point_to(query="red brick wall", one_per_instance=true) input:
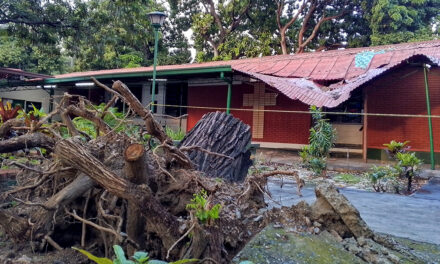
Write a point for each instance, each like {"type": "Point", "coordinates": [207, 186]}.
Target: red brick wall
{"type": "Point", "coordinates": [278, 127]}
{"type": "Point", "coordinates": [403, 92]}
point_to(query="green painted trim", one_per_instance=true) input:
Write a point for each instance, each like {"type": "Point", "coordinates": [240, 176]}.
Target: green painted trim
{"type": "Point", "coordinates": [428, 107]}
{"type": "Point", "coordinates": [199, 70]}
{"type": "Point", "coordinates": [228, 102]}
{"type": "Point", "coordinates": [153, 89]}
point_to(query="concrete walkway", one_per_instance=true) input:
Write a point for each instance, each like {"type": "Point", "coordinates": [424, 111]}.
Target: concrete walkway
{"type": "Point", "coordinates": [338, 164]}
{"type": "Point", "coordinates": [416, 217]}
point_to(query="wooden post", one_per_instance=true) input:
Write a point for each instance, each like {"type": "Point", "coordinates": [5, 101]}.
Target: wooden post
{"type": "Point", "coordinates": [364, 138]}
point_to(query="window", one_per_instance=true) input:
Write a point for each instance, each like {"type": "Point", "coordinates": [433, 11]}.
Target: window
{"type": "Point", "coordinates": [353, 105]}
{"type": "Point", "coordinates": [156, 90]}
{"type": "Point", "coordinates": [176, 94]}
{"type": "Point", "coordinates": [29, 106]}
{"type": "Point", "coordinates": [26, 105]}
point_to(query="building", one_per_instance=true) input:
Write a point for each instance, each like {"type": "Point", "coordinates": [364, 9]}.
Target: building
{"type": "Point", "coordinates": [384, 85]}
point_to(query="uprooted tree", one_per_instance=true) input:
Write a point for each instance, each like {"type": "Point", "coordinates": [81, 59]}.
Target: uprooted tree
{"type": "Point", "coordinates": [113, 190]}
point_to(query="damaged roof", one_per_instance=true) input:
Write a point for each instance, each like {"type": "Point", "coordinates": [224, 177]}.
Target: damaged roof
{"type": "Point", "coordinates": [316, 78]}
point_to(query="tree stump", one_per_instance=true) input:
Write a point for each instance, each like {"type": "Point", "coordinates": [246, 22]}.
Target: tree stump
{"type": "Point", "coordinates": [218, 132]}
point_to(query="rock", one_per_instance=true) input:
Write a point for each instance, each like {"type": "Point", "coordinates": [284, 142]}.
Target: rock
{"type": "Point", "coordinates": [316, 224]}
{"type": "Point", "coordinates": [23, 260]}
{"type": "Point", "coordinates": [329, 199]}
{"type": "Point", "coordinates": [336, 235]}
{"type": "Point", "coordinates": [316, 230]}
{"type": "Point", "coordinates": [278, 246]}
{"type": "Point", "coordinates": [361, 241]}
{"type": "Point", "coordinates": [10, 254]}
{"type": "Point", "coordinates": [258, 218]}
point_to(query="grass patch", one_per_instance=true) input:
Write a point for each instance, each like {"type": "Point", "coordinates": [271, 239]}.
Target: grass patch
{"type": "Point", "coordinates": [347, 178]}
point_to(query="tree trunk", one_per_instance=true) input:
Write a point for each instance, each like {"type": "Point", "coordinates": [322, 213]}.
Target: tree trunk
{"type": "Point", "coordinates": [26, 141]}
{"type": "Point", "coordinates": [164, 224]}
{"type": "Point", "coordinates": [5, 129]}
{"type": "Point", "coordinates": [220, 133]}
{"type": "Point", "coordinates": [135, 171]}
{"type": "Point", "coordinates": [283, 42]}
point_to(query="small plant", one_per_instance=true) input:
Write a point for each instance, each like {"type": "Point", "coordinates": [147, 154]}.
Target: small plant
{"type": "Point", "coordinates": [203, 209]}
{"type": "Point", "coordinates": [395, 147]}
{"type": "Point", "coordinates": [382, 177]}
{"type": "Point", "coordinates": [321, 140]}
{"type": "Point", "coordinates": [139, 257]}
{"type": "Point", "coordinates": [7, 112]}
{"type": "Point", "coordinates": [175, 135]}
{"type": "Point", "coordinates": [410, 165]}
{"type": "Point", "coordinates": [347, 178]}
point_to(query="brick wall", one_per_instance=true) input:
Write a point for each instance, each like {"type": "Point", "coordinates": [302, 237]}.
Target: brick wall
{"type": "Point", "coordinates": [403, 92]}
{"type": "Point", "coordinates": [278, 127]}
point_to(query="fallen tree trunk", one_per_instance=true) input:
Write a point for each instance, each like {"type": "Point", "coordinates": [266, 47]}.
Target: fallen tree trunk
{"type": "Point", "coordinates": [223, 134]}
{"type": "Point", "coordinates": [26, 141]}
{"type": "Point", "coordinates": [7, 126]}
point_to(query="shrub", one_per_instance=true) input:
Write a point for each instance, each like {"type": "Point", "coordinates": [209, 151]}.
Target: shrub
{"type": "Point", "coordinates": [410, 165]}
{"type": "Point", "coordinates": [203, 209]}
{"type": "Point", "coordinates": [174, 135]}
{"type": "Point", "coordinates": [384, 177]}
{"type": "Point", "coordinates": [321, 140]}
{"type": "Point", "coordinates": [7, 112]}
{"type": "Point", "coordinates": [395, 147]}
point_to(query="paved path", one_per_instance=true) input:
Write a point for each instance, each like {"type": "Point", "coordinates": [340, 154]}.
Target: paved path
{"type": "Point", "coordinates": [416, 217]}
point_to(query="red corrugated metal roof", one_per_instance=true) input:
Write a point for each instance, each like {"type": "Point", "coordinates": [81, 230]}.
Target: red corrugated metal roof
{"type": "Point", "coordinates": [297, 75]}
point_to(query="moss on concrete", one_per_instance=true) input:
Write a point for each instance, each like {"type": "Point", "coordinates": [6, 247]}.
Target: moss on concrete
{"type": "Point", "coordinates": [282, 247]}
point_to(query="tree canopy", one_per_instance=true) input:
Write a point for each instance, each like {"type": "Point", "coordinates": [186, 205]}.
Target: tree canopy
{"type": "Point", "coordinates": [66, 35]}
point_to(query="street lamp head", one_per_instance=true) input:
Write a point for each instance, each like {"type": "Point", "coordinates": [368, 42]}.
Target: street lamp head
{"type": "Point", "coordinates": [157, 18]}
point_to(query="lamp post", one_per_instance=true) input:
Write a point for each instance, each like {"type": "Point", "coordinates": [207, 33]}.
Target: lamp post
{"type": "Point", "coordinates": [156, 19]}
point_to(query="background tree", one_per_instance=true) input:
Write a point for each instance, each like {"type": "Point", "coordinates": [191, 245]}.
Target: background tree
{"type": "Point", "coordinates": [397, 21]}
{"type": "Point", "coordinates": [120, 36]}
{"type": "Point", "coordinates": [307, 17]}
{"type": "Point", "coordinates": [32, 32]}
{"type": "Point", "coordinates": [211, 21]}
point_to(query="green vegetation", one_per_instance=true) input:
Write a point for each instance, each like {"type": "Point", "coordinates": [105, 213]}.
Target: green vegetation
{"type": "Point", "coordinates": [204, 211]}
{"type": "Point", "coordinates": [383, 176]}
{"type": "Point", "coordinates": [410, 165]}
{"type": "Point", "coordinates": [407, 166]}
{"type": "Point", "coordinates": [62, 35]}
{"type": "Point", "coordinates": [7, 111]}
{"type": "Point", "coordinates": [139, 257]}
{"type": "Point", "coordinates": [173, 134]}
{"type": "Point", "coordinates": [321, 140]}
{"type": "Point", "coordinates": [395, 147]}
{"type": "Point", "coordinates": [113, 118]}
{"type": "Point", "coordinates": [347, 178]}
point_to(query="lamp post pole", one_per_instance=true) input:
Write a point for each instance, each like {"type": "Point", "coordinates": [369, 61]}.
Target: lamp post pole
{"type": "Point", "coordinates": [156, 41]}
{"type": "Point", "coordinates": [157, 19]}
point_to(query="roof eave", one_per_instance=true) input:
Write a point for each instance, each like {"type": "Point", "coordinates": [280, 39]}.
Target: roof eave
{"type": "Point", "coordinates": [188, 71]}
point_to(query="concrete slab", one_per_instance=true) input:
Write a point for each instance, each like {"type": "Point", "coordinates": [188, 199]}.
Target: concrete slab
{"type": "Point", "coordinates": [413, 217]}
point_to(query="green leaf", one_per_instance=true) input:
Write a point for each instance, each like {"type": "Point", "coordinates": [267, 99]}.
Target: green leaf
{"type": "Point", "coordinates": [140, 255]}
{"type": "Point", "coordinates": [94, 258]}
{"type": "Point", "coordinates": [157, 262]}
{"type": "Point", "coordinates": [182, 261]}
{"type": "Point", "coordinates": [120, 256]}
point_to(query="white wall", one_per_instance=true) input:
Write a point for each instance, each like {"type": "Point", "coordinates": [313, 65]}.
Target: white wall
{"type": "Point", "coordinates": [37, 95]}
{"type": "Point", "coordinates": [159, 97]}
